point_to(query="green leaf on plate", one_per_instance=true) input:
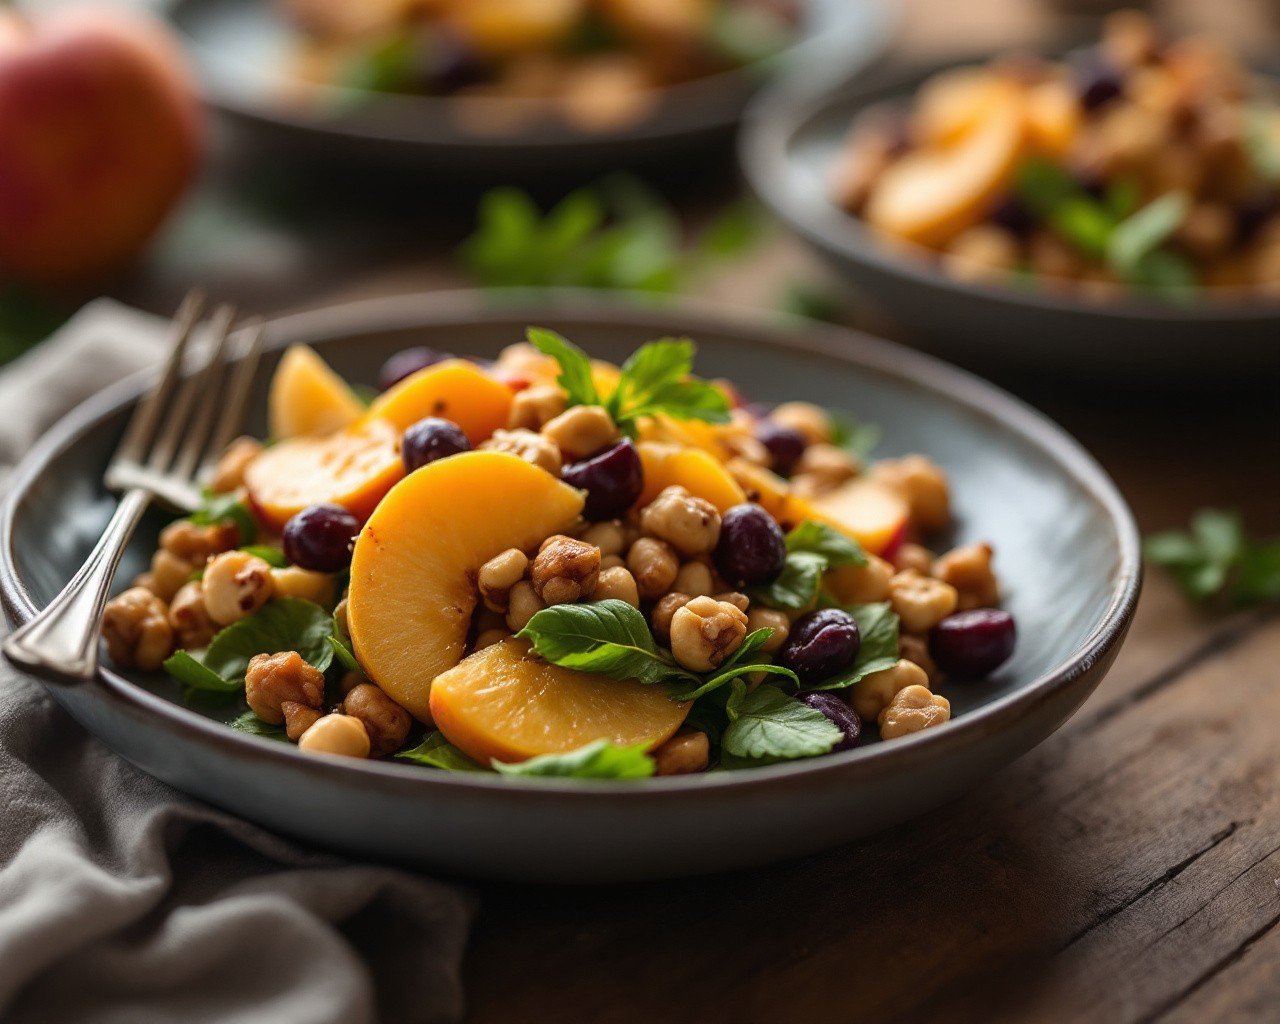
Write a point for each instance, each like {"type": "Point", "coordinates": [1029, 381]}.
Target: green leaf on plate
{"type": "Point", "coordinates": [878, 627]}
{"type": "Point", "coordinates": [255, 726]}
{"type": "Point", "coordinates": [437, 752]}
{"type": "Point", "coordinates": [598, 760]}
{"type": "Point", "coordinates": [575, 365]}
{"type": "Point", "coordinates": [766, 725]}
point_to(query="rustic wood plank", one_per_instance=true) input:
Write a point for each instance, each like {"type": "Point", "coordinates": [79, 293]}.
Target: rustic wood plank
{"type": "Point", "coordinates": [1246, 985]}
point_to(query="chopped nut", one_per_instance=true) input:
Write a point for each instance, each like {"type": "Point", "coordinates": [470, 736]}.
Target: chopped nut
{"type": "Point", "coordinates": [968, 569]}
{"type": "Point", "coordinates": [168, 574]}
{"type": "Point", "coordinates": [739, 601]}
{"type": "Point", "coordinates": [872, 694]}
{"type": "Point", "coordinates": [197, 544]}
{"type": "Point", "coordinates": [617, 584]}
{"type": "Point", "coordinates": [654, 565]}
{"type": "Point", "coordinates": [920, 601]}
{"type": "Point", "coordinates": [298, 718]}
{"type": "Point", "coordinates": [912, 709]}
{"type": "Point", "coordinates": [498, 575]}
{"type": "Point", "coordinates": [663, 612]}
{"type": "Point", "coordinates": [924, 487]}
{"type": "Point", "coordinates": [190, 619]}
{"type": "Point", "coordinates": [386, 722]}
{"type": "Point", "coordinates": [915, 649]}
{"type": "Point", "coordinates": [913, 556]}
{"type": "Point", "coordinates": [694, 578]}
{"type": "Point", "coordinates": [566, 570]}
{"type": "Point", "coordinates": [136, 628]}
{"type": "Point", "coordinates": [228, 474]}
{"type": "Point", "coordinates": [823, 468]}
{"type": "Point", "coordinates": [535, 406]}
{"type": "Point", "coordinates": [336, 734]}
{"type": "Point", "coordinates": [862, 584]}
{"type": "Point", "coordinates": [609, 536]}
{"type": "Point", "coordinates": [582, 431]}
{"type": "Point", "coordinates": [690, 525]}
{"type": "Point", "coordinates": [525, 444]}
{"type": "Point", "coordinates": [705, 632]}
{"type": "Point", "coordinates": [236, 584]}
{"type": "Point", "coordinates": [683, 754]}
{"type": "Point", "coordinates": [522, 606]}
{"type": "Point", "coordinates": [612, 562]}
{"type": "Point", "coordinates": [769, 618]}
{"type": "Point", "coordinates": [272, 679]}
{"type": "Point", "coordinates": [810, 420]}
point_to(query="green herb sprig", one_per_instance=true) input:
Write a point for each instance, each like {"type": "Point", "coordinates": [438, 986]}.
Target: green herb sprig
{"type": "Point", "coordinates": [1216, 560]}
{"type": "Point", "coordinates": [812, 549]}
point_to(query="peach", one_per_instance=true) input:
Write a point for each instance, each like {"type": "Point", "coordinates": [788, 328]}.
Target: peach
{"type": "Point", "coordinates": [866, 510]}
{"type": "Point", "coordinates": [505, 703]}
{"type": "Point", "coordinates": [661, 21]}
{"type": "Point", "coordinates": [307, 397]}
{"type": "Point", "coordinates": [951, 104]}
{"type": "Point", "coordinates": [506, 28]}
{"type": "Point", "coordinates": [699, 472]}
{"type": "Point", "coordinates": [353, 468]}
{"type": "Point", "coordinates": [413, 572]}
{"type": "Point", "coordinates": [454, 390]}
{"type": "Point", "coordinates": [1053, 117]}
{"type": "Point", "coordinates": [100, 133]}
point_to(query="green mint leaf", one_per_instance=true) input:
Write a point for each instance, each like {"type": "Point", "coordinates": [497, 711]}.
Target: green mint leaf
{"type": "Point", "coordinates": [502, 253]}
{"type": "Point", "coordinates": [575, 366]}
{"type": "Point", "coordinates": [685, 400]}
{"type": "Point", "coordinates": [1086, 224]}
{"type": "Point", "coordinates": [255, 726]}
{"type": "Point", "coordinates": [813, 302]}
{"type": "Point", "coordinates": [598, 760]}
{"type": "Point", "coordinates": [767, 726]}
{"type": "Point", "coordinates": [1043, 187]}
{"type": "Point", "coordinates": [437, 752]}
{"type": "Point", "coordinates": [854, 436]}
{"type": "Point", "coordinates": [605, 636]}
{"type": "Point", "coordinates": [273, 556]}
{"type": "Point", "coordinates": [1170, 274]}
{"type": "Point", "coordinates": [1142, 233]}
{"type": "Point", "coordinates": [733, 232]}
{"type": "Point", "coordinates": [1055, 199]}
{"type": "Point", "coordinates": [797, 585]}
{"type": "Point", "coordinates": [826, 541]}
{"type": "Point", "coordinates": [743, 662]}
{"type": "Point", "coordinates": [386, 66]}
{"type": "Point", "coordinates": [1219, 534]}
{"type": "Point", "coordinates": [1259, 575]}
{"type": "Point", "coordinates": [226, 508]}
{"type": "Point", "coordinates": [187, 669]}
{"type": "Point", "coordinates": [340, 641]}
{"type": "Point", "coordinates": [878, 626]}
{"type": "Point", "coordinates": [656, 379]}
{"type": "Point", "coordinates": [1122, 196]}
{"type": "Point", "coordinates": [285, 624]}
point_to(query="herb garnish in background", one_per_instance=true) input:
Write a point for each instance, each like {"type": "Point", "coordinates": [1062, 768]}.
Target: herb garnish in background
{"type": "Point", "coordinates": [1216, 560]}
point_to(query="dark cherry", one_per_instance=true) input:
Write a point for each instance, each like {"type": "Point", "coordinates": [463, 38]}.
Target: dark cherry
{"type": "Point", "coordinates": [613, 480]}
{"type": "Point", "coordinates": [1098, 82]}
{"type": "Point", "coordinates": [1012, 215]}
{"type": "Point", "coordinates": [450, 63]}
{"type": "Point", "coordinates": [784, 444]}
{"type": "Point", "coordinates": [821, 643]}
{"type": "Point", "coordinates": [752, 550]}
{"type": "Point", "coordinates": [406, 362]}
{"type": "Point", "coordinates": [319, 538]}
{"type": "Point", "coordinates": [840, 715]}
{"type": "Point", "coordinates": [973, 644]}
{"type": "Point", "coordinates": [431, 439]}
{"type": "Point", "coordinates": [1253, 211]}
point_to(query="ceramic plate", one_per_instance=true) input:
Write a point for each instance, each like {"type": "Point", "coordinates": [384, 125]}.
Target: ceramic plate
{"type": "Point", "coordinates": [1067, 551]}
{"type": "Point", "coordinates": [793, 135]}
{"type": "Point", "coordinates": [242, 49]}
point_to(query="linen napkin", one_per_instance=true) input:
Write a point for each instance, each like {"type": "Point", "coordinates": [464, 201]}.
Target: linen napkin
{"type": "Point", "coordinates": [122, 900]}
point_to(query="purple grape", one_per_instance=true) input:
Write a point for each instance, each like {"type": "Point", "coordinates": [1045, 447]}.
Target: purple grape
{"type": "Point", "coordinates": [450, 63]}
{"type": "Point", "coordinates": [431, 439]}
{"type": "Point", "coordinates": [840, 715]}
{"type": "Point", "coordinates": [1012, 215]}
{"type": "Point", "coordinates": [319, 538]}
{"type": "Point", "coordinates": [406, 362]}
{"type": "Point", "coordinates": [1097, 81]}
{"type": "Point", "coordinates": [752, 550]}
{"type": "Point", "coordinates": [784, 444]}
{"type": "Point", "coordinates": [821, 644]}
{"type": "Point", "coordinates": [1252, 212]}
{"type": "Point", "coordinates": [973, 644]}
{"type": "Point", "coordinates": [613, 480]}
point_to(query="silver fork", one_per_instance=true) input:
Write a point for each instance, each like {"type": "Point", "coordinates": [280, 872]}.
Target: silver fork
{"type": "Point", "coordinates": [173, 438]}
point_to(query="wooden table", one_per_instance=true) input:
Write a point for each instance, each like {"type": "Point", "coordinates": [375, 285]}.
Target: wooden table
{"type": "Point", "coordinates": [1126, 870]}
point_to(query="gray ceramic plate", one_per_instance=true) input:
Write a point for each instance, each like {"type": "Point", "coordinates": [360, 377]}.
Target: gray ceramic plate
{"type": "Point", "coordinates": [792, 136]}
{"type": "Point", "coordinates": [1067, 549]}
{"type": "Point", "coordinates": [242, 47]}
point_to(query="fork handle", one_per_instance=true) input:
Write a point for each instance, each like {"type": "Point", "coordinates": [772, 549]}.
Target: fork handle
{"type": "Point", "coordinates": [61, 641]}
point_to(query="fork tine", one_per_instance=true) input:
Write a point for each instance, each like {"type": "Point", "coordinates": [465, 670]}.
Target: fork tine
{"type": "Point", "coordinates": [237, 396]}
{"type": "Point", "coordinates": [208, 393]}
{"type": "Point", "coordinates": [142, 425]}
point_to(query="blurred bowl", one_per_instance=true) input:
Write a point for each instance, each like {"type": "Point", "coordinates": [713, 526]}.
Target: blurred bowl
{"type": "Point", "coordinates": [792, 136]}
{"type": "Point", "coordinates": [242, 49]}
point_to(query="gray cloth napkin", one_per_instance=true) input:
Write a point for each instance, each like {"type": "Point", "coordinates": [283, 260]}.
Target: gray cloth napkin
{"type": "Point", "coordinates": [123, 901]}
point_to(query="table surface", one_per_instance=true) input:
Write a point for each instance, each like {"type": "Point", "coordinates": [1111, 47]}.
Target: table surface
{"type": "Point", "coordinates": [1126, 870]}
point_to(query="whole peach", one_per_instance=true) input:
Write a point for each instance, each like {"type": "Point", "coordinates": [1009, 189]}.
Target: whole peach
{"type": "Point", "coordinates": [100, 132]}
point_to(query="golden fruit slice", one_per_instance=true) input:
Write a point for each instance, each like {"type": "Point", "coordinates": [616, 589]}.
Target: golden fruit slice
{"type": "Point", "coordinates": [307, 397]}
{"type": "Point", "coordinates": [413, 572]}
{"type": "Point", "coordinates": [951, 104]}
{"type": "Point", "coordinates": [932, 194]}
{"type": "Point", "coordinates": [504, 28]}
{"type": "Point", "coordinates": [866, 510]}
{"type": "Point", "coordinates": [453, 390]}
{"type": "Point", "coordinates": [353, 468]}
{"type": "Point", "coordinates": [1053, 117]}
{"type": "Point", "coordinates": [698, 472]}
{"type": "Point", "coordinates": [504, 703]}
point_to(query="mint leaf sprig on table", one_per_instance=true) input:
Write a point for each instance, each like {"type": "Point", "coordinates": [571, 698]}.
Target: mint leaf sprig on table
{"type": "Point", "coordinates": [1216, 560]}
{"type": "Point", "coordinates": [656, 380]}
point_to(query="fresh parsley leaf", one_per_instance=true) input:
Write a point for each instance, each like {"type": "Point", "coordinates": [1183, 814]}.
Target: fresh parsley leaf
{"type": "Point", "coordinates": [854, 436]}
{"type": "Point", "coordinates": [285, 624]}
{"type": "Point", "coordinates": [437, 752]}
{"type": "Point", "coordinates": [813, 302]}
{"type": "Point", "coordinates": [766, 726]}
{"type": "Point", "coordinates": [187, 669]}
{"type": "Point", "coordinates": [832, 545]}
{"type": "Point", "coordinates": [734, 231]}
{"type": "Point", "coordinates": [1140, 234]}
{"type": "Point", "coordinates": [1055, 199]}
{"type": "Point", "coordinates": [273, 556]}
{"type": "Point", "coordinates": [340, 641]}
{"type": "Point", "coordinates": [656, 379]}
{"type": "Point", "coordinates": [604, 636]}
{"type": "Point", "coordinates": [1216, 559]}
{"type": "Point", "coordinates": [742, 663]}
{"type": "Point", "coordinates": [797, 585]}
{"type": "Point", "coordinates": [386, 66]}
{"type": "Point", "coordinates": [575, 365]}
{"type": "Point", "coordinates": [598, 760]}
{"type": "Point", "coordinates": [878, 627]}
{"type": "Point", "coordinates": [255, 726]}
{"type": "Point", "coordinates": [227, 508]}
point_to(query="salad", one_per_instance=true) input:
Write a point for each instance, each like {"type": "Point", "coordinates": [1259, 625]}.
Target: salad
{"type": "Point", "coordinates": [552, 565]}
{"type": "Point", "coordinates": [1134, 165]}
{"type": "Point", "coordinates": [595, 62]}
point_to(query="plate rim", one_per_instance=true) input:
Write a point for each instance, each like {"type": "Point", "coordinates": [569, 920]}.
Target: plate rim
{"type": "Point", "coordinates": [820, 341]}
